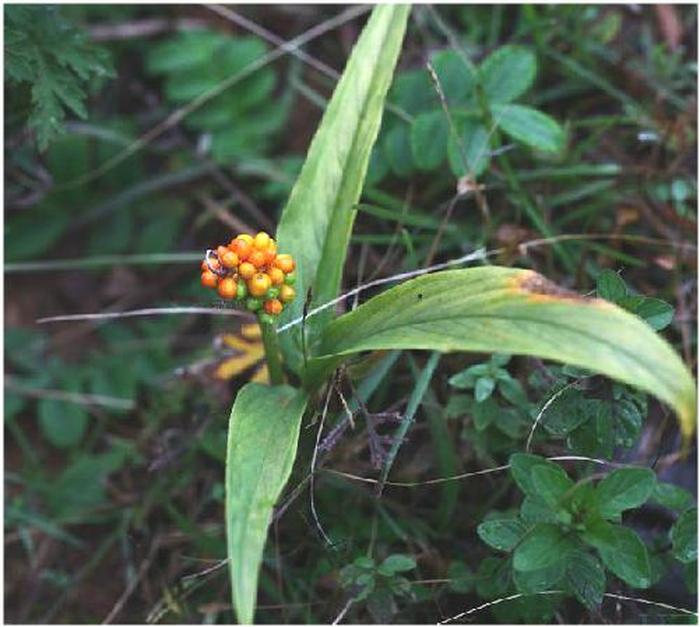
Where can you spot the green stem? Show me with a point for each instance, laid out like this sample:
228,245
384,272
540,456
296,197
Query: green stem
272,353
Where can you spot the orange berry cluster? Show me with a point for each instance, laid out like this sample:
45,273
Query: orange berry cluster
250,271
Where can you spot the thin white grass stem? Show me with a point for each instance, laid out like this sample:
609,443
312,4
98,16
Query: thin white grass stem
151,311
545,407
518,595
478,254
467,475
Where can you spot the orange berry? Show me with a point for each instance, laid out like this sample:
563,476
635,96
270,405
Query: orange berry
285,263
276,276
246,237
210,263
241,247
259,284
209,279
270,254
287,293
229,259
227,288
262,240
273,307
257,258
246,270
221,251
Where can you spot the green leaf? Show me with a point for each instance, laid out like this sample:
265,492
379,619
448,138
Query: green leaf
611,286
396,563
503,535
457,76
521,467
657,313
586,578
397,148
622,552
262,444
550,484
429,134
62,423
534,581
316,223
508,73
506,309
529,126
468,151
534,510
544,546
684,536
624,489
672,496
483,388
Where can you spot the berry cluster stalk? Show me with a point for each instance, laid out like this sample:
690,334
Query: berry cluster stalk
272,353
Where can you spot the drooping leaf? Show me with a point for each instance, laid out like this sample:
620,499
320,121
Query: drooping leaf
508,73
544,546
315,225
529,126
622,552
586,578
507,309
624,489
262,444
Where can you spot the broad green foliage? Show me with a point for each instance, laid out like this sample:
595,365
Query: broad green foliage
494,309
378,584
316,223
612,287
55,60
427,140
262,444
562,522
200,61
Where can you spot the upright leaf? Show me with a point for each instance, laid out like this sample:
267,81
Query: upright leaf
508,73
495,309
316,223
262,444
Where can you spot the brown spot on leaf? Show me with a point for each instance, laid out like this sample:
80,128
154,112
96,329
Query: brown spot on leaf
542,289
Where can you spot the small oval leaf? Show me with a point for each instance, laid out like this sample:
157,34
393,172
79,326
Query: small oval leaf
529,126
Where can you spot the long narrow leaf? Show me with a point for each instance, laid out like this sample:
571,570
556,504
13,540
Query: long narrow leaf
262,444
517,311
316,223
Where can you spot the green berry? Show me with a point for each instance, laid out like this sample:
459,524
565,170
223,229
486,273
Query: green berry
253,304
273,292
290,278
242,290
266,318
